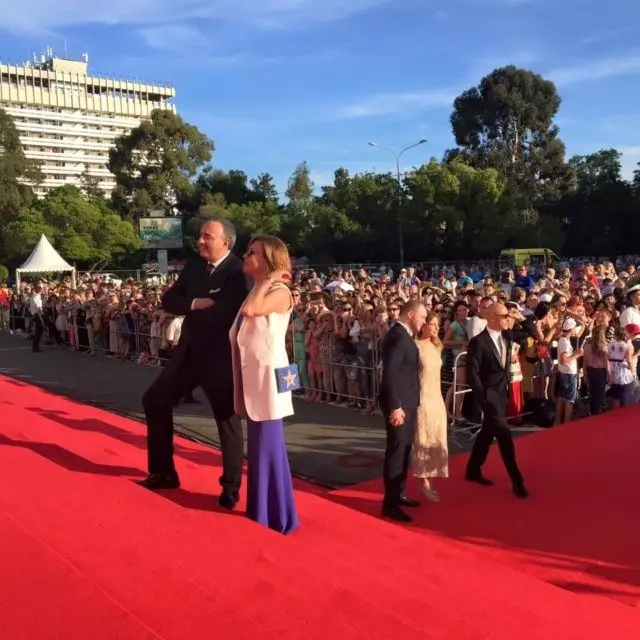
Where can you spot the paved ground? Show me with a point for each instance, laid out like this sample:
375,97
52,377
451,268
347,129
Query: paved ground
329,445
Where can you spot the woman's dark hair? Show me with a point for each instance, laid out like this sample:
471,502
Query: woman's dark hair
542,310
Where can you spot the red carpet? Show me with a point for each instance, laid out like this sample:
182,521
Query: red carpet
579,531
89,555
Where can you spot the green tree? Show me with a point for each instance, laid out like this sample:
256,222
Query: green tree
82,230
597,170
371,202
17,172
264,188
300,187
599,217
214,207
296,214
154,165
507,122
233,185
454,210
330,234
22,233
337,194
89,186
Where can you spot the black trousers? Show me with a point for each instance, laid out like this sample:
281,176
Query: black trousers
494,425
38,327
183,374
597,381
397,457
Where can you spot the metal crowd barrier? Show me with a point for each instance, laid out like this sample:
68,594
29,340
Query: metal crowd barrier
133,345
330,377
330,381
460,428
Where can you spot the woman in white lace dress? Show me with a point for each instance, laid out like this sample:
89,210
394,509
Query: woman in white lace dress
429,456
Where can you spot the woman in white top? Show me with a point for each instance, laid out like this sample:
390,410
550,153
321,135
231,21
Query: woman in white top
567,378
621,370
258,348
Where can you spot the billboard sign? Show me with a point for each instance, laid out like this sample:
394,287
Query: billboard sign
161,233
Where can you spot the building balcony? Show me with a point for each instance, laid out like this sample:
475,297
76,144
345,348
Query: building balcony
78,99
66,143
77,117
65,157
77,170
67,130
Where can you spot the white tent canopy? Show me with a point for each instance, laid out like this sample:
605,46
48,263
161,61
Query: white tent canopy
45,259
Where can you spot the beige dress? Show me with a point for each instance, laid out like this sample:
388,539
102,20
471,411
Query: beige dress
429,456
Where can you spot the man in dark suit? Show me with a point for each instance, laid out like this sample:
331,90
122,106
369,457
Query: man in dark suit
488,362
209,293
399,400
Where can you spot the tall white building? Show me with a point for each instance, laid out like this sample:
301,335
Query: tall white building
68,120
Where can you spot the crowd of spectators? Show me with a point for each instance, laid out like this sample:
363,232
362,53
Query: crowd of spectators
579,320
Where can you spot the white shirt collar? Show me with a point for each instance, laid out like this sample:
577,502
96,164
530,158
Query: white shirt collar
495,335
217,263
405,327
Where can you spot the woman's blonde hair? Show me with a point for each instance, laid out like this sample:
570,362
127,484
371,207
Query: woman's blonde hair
275,252
599,339
432,315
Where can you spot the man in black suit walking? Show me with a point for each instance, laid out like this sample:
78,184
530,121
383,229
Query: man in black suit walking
488,362
399,400
209,293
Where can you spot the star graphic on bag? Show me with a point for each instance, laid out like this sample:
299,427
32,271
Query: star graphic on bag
290,379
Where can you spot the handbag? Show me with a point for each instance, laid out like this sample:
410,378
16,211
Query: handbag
542,350
288,378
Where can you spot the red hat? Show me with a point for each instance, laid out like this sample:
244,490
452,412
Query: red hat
633,329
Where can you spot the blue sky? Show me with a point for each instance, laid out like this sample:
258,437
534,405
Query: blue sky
275,82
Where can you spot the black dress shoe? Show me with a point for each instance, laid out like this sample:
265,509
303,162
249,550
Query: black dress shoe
228,500
394,512
408,502
520,491
160,481
479,479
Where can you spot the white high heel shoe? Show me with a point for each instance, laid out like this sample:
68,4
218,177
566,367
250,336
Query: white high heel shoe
431,494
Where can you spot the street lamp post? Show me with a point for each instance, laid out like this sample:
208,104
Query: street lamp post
397,156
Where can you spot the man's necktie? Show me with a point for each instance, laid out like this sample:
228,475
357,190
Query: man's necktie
503,351
210,269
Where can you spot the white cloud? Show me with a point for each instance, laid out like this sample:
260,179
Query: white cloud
175,38
389,104
605,36
47,15
612,67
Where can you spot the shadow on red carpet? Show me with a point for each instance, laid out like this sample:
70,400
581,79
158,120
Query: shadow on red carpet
579,530
90,555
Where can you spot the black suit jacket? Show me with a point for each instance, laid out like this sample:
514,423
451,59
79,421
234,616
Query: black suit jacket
205,333
400,386
486,376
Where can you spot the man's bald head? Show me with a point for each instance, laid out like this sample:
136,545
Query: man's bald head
497,317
